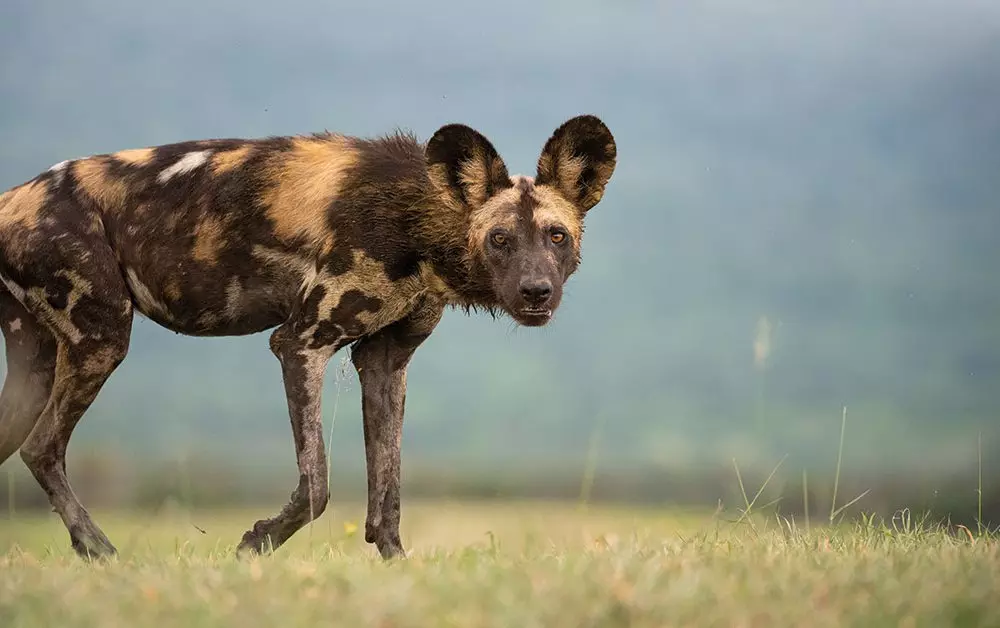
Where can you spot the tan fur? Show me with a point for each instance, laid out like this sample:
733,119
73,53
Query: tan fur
233,293
146,301
568,171
493,213
440,224
80,285
570,168
305,182
208,239
301,267
369,277
36,299
172,289
108,192
229,159
97,363
287,261
95,225
23,205
135,156
553,209
327,246
435,285
474,176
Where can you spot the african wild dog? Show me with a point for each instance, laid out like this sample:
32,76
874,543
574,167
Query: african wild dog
334,240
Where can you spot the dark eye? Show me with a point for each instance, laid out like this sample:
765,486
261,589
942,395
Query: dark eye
498,239
557,237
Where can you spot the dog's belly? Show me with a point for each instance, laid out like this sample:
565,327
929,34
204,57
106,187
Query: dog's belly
225,306
192,299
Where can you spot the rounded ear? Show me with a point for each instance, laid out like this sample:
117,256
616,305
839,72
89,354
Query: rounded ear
464,165
578,160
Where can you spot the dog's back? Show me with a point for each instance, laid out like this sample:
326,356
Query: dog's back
217,237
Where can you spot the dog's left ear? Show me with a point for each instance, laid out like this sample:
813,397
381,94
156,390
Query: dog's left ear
578,160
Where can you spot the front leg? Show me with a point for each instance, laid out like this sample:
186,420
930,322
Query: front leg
381,360
303,365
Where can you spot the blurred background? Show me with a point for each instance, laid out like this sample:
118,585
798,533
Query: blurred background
805,218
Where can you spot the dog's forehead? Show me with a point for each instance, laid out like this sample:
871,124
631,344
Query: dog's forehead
528,205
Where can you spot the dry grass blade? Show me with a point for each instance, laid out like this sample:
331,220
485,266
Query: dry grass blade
840,455
848,505
749,503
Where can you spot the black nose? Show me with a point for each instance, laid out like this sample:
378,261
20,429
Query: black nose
537,291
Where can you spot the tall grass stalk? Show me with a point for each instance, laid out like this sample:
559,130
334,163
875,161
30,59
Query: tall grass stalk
805,497
333,419
836,477
339,377
749,504
834,511
979,489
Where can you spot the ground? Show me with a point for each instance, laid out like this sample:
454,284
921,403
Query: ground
511,564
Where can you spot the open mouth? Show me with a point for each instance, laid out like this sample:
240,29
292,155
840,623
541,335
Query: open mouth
536,313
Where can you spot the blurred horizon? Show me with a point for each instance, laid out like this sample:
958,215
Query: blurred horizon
805,216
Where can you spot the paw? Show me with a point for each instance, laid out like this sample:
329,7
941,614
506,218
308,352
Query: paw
390,547
392,551
91,546
255,542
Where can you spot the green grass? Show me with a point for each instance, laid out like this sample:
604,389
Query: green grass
514,564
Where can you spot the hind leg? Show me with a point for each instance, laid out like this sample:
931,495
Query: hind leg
83,301
79,374
81,371
31,363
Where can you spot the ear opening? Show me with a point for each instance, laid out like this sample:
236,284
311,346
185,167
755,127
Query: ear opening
578,160
465,166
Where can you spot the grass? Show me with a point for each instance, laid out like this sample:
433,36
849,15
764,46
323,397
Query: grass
512,564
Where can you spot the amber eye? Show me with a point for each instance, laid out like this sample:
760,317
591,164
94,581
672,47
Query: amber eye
498,239
557,237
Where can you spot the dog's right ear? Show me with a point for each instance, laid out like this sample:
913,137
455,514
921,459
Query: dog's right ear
464,166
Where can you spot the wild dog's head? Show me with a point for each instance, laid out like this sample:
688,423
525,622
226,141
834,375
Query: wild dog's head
524,234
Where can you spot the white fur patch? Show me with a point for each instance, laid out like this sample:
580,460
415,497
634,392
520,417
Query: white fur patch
234,292
60,170
147,303
15,325
185,164
308,278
